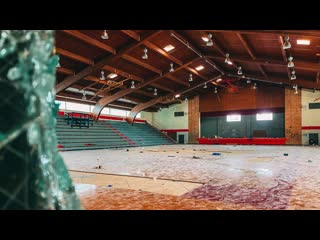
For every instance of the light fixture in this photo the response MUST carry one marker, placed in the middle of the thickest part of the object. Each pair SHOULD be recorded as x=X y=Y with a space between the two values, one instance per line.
x=177 y=95
x=286 y=44
x=227 y=60
x=208 y=40
x=112 y=75
x=254 y=86
x=205 y=85
x=303 y=42
x=171 y=68
x=145 y=55
x=190 y=77
x=215 y=90
x=104 y=35
x=248 y=81
x=293 y=75
x=132 y=85
x=155 y=92
x=58 y=63
x=295 y=87
x=290 y=62
x=102 y=77
x=199 y=68
x=240 y=71
x=205 y=39
x=168 y=48
x=219 y=80
x=84 y=96
x=186 y=100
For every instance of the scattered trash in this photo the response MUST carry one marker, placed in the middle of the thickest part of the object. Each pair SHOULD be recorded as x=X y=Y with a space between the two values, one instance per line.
x=109 y=186
x=177 y=152
x=98 y=167
x=309 y=161
x=195 y=157
x=127 y=150
x=194 y=150
x=285 y=154
x=171 y=156
x=216 y=154
x=141 y=151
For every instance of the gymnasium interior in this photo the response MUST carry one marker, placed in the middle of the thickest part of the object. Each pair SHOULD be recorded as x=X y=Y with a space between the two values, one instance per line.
x=160 y=119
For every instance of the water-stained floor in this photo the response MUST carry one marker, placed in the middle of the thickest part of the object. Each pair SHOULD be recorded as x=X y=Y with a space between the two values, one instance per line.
x=191 y=177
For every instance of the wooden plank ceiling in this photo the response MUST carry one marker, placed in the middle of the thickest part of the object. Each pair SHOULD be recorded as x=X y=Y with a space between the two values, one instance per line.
x=258 y=54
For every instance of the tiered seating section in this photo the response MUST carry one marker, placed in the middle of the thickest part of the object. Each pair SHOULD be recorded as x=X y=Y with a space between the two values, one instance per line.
x=243 y=141
x=107 y=134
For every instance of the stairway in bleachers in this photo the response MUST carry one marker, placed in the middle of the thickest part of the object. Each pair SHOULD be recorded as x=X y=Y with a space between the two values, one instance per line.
x=107 y=134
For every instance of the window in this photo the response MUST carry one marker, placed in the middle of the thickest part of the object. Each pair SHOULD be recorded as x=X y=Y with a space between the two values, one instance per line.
x=118 y=112
x=77 y=107
x=234 y=118
x=264 y=116
x=178 y=114
x=314 y=105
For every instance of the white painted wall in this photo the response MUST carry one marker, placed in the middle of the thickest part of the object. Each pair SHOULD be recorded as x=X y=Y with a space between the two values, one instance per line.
x=165 y=118
x=310 y=117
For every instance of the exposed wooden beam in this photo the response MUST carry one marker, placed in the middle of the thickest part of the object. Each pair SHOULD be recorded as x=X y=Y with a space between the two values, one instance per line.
x=178 y=80
x=122 y=73
x=284 y=55
x=162 y=52
x=274 y=79
x=246 y=46
x=250 y=52
x=74 y=56
x=162 y=87
x=153 y=69
x=166 y=99
x=195 y=72
x=132 y=34
x=105 y=101
x=141 y=63
x=88 y=70
x=90 y=40
x=305 y=33
x=298 y=64
x=65 y=71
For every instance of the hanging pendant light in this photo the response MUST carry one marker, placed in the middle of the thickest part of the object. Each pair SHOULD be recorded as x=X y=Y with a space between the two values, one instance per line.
x=240 y=71
x=205 y=85
x=171 y=68
x=84 y=96
x=145 y=55
x=132 y=85
x=155 y=92
x=286 y=44
x=290 y=62
x=190 y=77
x=104 y=35
x=227 y=60
x=254 y=86
x=293 y=75
x=102 y=77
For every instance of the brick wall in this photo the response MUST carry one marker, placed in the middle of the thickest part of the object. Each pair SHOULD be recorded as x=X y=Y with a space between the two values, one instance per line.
x=194 y=119
x=293 y=118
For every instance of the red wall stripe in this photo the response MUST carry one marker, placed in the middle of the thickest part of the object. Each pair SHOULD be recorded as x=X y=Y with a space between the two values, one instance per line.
x=310 y=128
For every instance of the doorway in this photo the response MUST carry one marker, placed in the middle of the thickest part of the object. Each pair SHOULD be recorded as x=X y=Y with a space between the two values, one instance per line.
x=313 y=139
x=181 y=139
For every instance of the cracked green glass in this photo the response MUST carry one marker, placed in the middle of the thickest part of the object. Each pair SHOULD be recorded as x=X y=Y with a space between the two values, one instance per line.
x=32 y=173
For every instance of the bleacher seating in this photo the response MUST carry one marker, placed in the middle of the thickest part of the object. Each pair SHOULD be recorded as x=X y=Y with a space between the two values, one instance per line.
x=107 y=134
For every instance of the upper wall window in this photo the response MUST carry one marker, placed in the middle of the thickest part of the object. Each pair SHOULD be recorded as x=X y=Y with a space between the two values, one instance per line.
x=234 y=118
x=264 y=116
x=314 y=105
